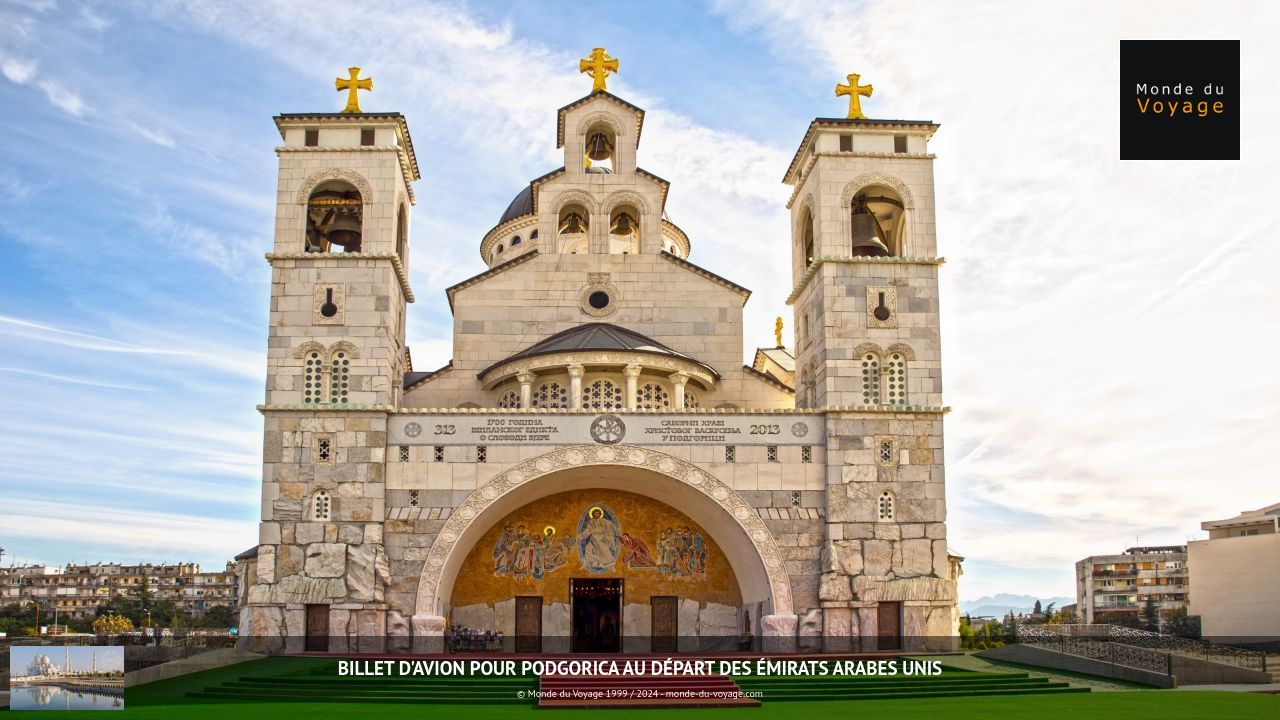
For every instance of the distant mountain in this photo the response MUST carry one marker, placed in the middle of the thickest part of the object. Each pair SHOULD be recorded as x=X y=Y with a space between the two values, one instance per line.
x=1000 y=604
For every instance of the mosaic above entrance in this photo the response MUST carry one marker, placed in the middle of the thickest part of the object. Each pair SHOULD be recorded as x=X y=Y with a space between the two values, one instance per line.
x=606 y=429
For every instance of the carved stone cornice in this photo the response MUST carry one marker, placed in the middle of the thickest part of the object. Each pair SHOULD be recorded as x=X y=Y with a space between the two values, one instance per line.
x=817 y=262
x=401 y=275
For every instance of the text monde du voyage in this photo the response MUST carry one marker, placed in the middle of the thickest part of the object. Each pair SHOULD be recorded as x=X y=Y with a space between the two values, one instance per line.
x=1179 y=100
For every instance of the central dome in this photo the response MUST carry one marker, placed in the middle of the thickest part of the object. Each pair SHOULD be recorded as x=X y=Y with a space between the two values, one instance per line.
x=521 y=205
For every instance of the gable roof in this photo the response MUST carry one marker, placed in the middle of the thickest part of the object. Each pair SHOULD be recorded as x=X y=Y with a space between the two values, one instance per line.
x=596 y=336
x=453 y=289
x=562 y=112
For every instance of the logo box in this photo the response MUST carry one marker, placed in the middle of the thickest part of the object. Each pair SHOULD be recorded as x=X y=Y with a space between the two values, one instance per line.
x=1179 y=99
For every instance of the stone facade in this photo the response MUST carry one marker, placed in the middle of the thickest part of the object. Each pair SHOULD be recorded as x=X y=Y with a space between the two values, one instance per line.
x=590 y=356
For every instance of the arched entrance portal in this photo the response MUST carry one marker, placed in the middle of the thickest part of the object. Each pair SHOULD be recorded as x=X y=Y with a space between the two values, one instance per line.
x=731 y=522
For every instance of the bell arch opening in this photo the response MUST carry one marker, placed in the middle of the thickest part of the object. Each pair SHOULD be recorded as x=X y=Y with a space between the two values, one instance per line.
x=335 y=217
x=729 y=521
x=574 y=228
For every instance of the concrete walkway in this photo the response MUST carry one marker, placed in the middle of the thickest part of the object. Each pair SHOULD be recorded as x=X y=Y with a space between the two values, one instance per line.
x=1273 y=688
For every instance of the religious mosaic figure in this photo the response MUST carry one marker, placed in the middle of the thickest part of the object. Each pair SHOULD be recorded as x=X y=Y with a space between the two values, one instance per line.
x=682 y=552
x=522 y=555
x=635 y=553
x=599 y=539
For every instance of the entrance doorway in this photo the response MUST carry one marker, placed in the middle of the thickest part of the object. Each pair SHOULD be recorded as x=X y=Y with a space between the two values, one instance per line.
x=596 y=614
x=529 y=623
x=889 y=626
x=317 y=628
x=664 y=614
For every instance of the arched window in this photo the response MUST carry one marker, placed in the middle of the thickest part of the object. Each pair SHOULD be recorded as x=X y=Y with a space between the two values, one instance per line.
x=515 y=241
x=574 y=228
x=896 y=377
x=599 y=146
x=402 y=237
x=652 y=396
x=624 y=231
x=339 y=376
x=602 y=395
x=871 y=379
x=884 y=507
x=533 y=235
x=335 y=217
x=551 y=395
x=509 y=400
x=313 y=379
x=321 y=506
x=498 y=251
x=690 y=399
x=877 y=222
x=806 y=240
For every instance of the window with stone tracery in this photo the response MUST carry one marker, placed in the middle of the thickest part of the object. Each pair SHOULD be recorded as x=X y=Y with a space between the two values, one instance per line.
x=602 y=395
x=896 y=377
x=551 y=395
x=321 y=506
x=870 y=379
x=313 y=379
x=884 y=506
x=690 y=399
x=652 y=396
x=509 y=400
x=339 y=376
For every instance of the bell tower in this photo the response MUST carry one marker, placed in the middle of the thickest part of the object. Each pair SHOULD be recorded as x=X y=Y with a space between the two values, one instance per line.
x=865 y=270
x=340 y=261
x=335 y=366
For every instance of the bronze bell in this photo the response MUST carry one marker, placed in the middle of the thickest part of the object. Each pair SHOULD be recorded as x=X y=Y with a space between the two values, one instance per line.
x=598 y=147
x=345 y=231
x=572 y=225
x=622 y=225
x=868 y=238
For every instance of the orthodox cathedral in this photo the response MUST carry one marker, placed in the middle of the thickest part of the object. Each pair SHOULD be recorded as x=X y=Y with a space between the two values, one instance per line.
x=596 y=469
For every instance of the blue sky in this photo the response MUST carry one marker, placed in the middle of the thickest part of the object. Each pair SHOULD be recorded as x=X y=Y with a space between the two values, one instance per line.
x=82 y=658
x=1108 y=327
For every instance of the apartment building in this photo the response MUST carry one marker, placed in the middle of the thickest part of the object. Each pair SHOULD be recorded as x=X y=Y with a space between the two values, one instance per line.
x=76 y=591
x=1236 y=573
x=1123 y=583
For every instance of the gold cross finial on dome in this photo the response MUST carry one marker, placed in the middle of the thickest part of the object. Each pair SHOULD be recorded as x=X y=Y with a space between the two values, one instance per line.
x=599 y=64
x=855 y=92
x=777 y=330
x=353 y=85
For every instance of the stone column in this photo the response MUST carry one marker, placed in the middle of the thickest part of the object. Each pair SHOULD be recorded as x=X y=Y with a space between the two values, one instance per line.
x=428 y=633
x=633 y=376
x=678 y=381
x=575 y=386
x=526 y=388
x=778 y=633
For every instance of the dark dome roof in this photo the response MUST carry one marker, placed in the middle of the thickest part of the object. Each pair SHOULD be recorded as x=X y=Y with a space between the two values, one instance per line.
x=522 y=205
x=597 y=336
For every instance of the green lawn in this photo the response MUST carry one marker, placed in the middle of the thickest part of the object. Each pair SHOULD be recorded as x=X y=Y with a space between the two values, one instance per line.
x=167 y=700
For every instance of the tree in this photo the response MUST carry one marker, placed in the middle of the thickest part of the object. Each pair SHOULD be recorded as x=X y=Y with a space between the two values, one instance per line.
x=1068 y=617
x=112 y=625
x=1122 y=619
x=1151 y=615
x=1179 y=623
x=1036 y=610
x=143 y=594
x=222 y=617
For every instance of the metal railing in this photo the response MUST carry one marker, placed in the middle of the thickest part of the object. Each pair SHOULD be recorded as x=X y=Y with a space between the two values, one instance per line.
x=1094 y=647
x=1150 y=641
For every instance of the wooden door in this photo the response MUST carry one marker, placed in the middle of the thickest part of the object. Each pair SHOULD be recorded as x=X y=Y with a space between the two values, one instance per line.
x=664 y=612
x=529 y=623
x=317 y=628
x=889 y=626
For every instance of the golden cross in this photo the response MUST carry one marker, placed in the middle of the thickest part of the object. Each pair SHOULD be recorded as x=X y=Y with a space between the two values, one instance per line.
x=777 y=330
x=599 y=65
x=353 y=86
x=855 y=92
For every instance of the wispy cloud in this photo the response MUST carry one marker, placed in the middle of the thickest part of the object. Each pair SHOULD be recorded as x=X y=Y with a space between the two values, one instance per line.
x=18 y=71
x=75 y=380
